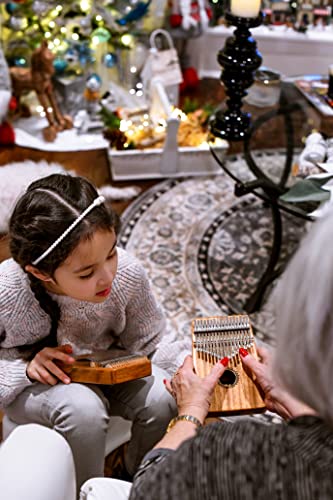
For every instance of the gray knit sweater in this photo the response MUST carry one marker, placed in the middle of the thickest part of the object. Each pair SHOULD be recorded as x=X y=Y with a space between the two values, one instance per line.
x=247 y=460
x=129 y=317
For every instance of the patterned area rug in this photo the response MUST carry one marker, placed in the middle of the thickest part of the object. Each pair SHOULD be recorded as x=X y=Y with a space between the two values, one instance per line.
x=204 y=251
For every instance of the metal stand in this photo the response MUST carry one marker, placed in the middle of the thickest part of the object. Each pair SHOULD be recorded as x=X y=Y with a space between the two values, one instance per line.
x=269 y=191
x=239 y=60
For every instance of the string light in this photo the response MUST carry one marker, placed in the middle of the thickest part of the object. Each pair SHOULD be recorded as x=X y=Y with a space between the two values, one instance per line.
x=127 y=40
x=85 y=5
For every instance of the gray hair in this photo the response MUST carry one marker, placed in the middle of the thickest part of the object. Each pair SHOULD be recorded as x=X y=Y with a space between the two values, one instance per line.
x=304 y=300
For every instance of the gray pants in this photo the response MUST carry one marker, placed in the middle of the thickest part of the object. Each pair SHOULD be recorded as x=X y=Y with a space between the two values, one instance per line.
x=81 y=414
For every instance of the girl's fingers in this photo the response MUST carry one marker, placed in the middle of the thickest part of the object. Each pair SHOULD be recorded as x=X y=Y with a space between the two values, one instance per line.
x=67 y=348
x=53 y=369
x=61 y=356
x=45 y=377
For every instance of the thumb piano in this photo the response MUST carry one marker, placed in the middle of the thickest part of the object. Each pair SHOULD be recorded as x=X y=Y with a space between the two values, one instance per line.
x=106 y=367
x=214 y=338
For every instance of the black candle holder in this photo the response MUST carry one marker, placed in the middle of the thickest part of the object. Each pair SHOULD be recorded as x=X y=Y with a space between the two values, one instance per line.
x=239 y=59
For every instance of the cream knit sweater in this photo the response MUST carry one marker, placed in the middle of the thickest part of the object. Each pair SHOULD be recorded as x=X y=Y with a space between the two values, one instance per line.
x=129 y=317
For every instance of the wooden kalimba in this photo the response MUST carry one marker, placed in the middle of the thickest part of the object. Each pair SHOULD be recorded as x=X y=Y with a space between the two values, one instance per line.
x=214 y=338
x=104 y=367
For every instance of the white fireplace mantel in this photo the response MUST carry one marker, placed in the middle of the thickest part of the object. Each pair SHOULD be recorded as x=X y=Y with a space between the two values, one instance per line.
x=282 y=49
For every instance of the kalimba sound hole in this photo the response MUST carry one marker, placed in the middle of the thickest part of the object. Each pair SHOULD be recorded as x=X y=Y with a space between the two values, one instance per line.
x=229 y=378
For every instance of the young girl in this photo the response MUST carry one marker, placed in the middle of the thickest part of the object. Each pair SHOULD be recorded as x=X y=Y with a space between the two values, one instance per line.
x=69 y=290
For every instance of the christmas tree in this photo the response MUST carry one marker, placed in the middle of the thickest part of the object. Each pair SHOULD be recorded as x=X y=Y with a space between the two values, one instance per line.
x=74 y=30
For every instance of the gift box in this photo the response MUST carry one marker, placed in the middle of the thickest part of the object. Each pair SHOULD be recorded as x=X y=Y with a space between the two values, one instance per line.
x=162 y=163
x=69 y=92
x=171 y=160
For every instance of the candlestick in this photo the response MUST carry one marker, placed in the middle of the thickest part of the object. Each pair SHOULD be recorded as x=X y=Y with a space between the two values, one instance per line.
x=330 y=81
x=239 y=60
x=245 y=8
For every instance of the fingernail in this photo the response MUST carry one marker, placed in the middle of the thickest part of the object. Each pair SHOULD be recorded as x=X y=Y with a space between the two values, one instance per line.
x=243 y=352
x=224 y=361
x=67 y=380
x=164 y=381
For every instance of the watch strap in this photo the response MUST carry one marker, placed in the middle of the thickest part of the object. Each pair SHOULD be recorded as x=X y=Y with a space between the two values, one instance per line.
x=186 y=418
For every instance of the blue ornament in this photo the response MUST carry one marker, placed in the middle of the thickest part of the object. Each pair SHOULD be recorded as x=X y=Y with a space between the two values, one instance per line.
x=140 y=10
x=94 y=82
x=20 y=62
x=71 y=55
x=84 y=53
x=11 y=7
x=60 y=65
x=110 y=60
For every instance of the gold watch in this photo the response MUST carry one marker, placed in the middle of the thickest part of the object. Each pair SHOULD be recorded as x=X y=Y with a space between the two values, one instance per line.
x=187 y=418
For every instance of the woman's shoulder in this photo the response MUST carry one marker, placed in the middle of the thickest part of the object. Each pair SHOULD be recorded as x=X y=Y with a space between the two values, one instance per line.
x=291 y=438
x=230 y=435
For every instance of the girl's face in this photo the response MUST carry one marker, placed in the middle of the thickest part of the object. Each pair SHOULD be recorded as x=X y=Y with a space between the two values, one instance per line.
x=87 y=274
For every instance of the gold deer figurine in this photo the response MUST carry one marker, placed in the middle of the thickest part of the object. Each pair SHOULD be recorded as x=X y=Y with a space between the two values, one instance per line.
x=39 y=78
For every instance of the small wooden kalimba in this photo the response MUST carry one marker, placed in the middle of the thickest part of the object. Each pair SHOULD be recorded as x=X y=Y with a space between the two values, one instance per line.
x=214 y=338
x=102 y=367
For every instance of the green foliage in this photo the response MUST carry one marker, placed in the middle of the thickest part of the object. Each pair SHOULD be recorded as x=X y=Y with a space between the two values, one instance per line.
x=110 y=119
x=190 y=105
x=306 y=190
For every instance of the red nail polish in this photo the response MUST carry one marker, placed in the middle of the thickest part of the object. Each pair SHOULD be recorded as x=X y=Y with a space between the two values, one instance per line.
x=243 y=352
x=224 y=361
x=164 y=381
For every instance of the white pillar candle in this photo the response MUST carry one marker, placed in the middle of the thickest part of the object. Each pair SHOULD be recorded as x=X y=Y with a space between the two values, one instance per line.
x=245 y=8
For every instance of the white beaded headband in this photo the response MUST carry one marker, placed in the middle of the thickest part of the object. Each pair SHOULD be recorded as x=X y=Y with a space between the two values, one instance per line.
x=97 y=201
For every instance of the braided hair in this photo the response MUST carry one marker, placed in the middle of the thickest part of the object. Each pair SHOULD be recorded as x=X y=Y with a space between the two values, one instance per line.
x=40 y=216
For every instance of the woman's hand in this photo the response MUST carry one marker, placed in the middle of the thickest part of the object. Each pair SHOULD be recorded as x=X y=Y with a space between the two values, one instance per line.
x=44 y=369
x=192 y=393
x=276 y=399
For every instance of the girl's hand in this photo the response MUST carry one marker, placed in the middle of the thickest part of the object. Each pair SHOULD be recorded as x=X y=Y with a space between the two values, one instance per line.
x=192 y=393
x=45 y=370
x=276 y=399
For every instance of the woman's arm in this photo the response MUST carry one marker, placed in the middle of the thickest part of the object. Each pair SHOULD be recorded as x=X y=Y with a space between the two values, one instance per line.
x=193 y=397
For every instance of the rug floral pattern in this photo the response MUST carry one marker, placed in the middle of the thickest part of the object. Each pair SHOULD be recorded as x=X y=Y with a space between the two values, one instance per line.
x=204 y=251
